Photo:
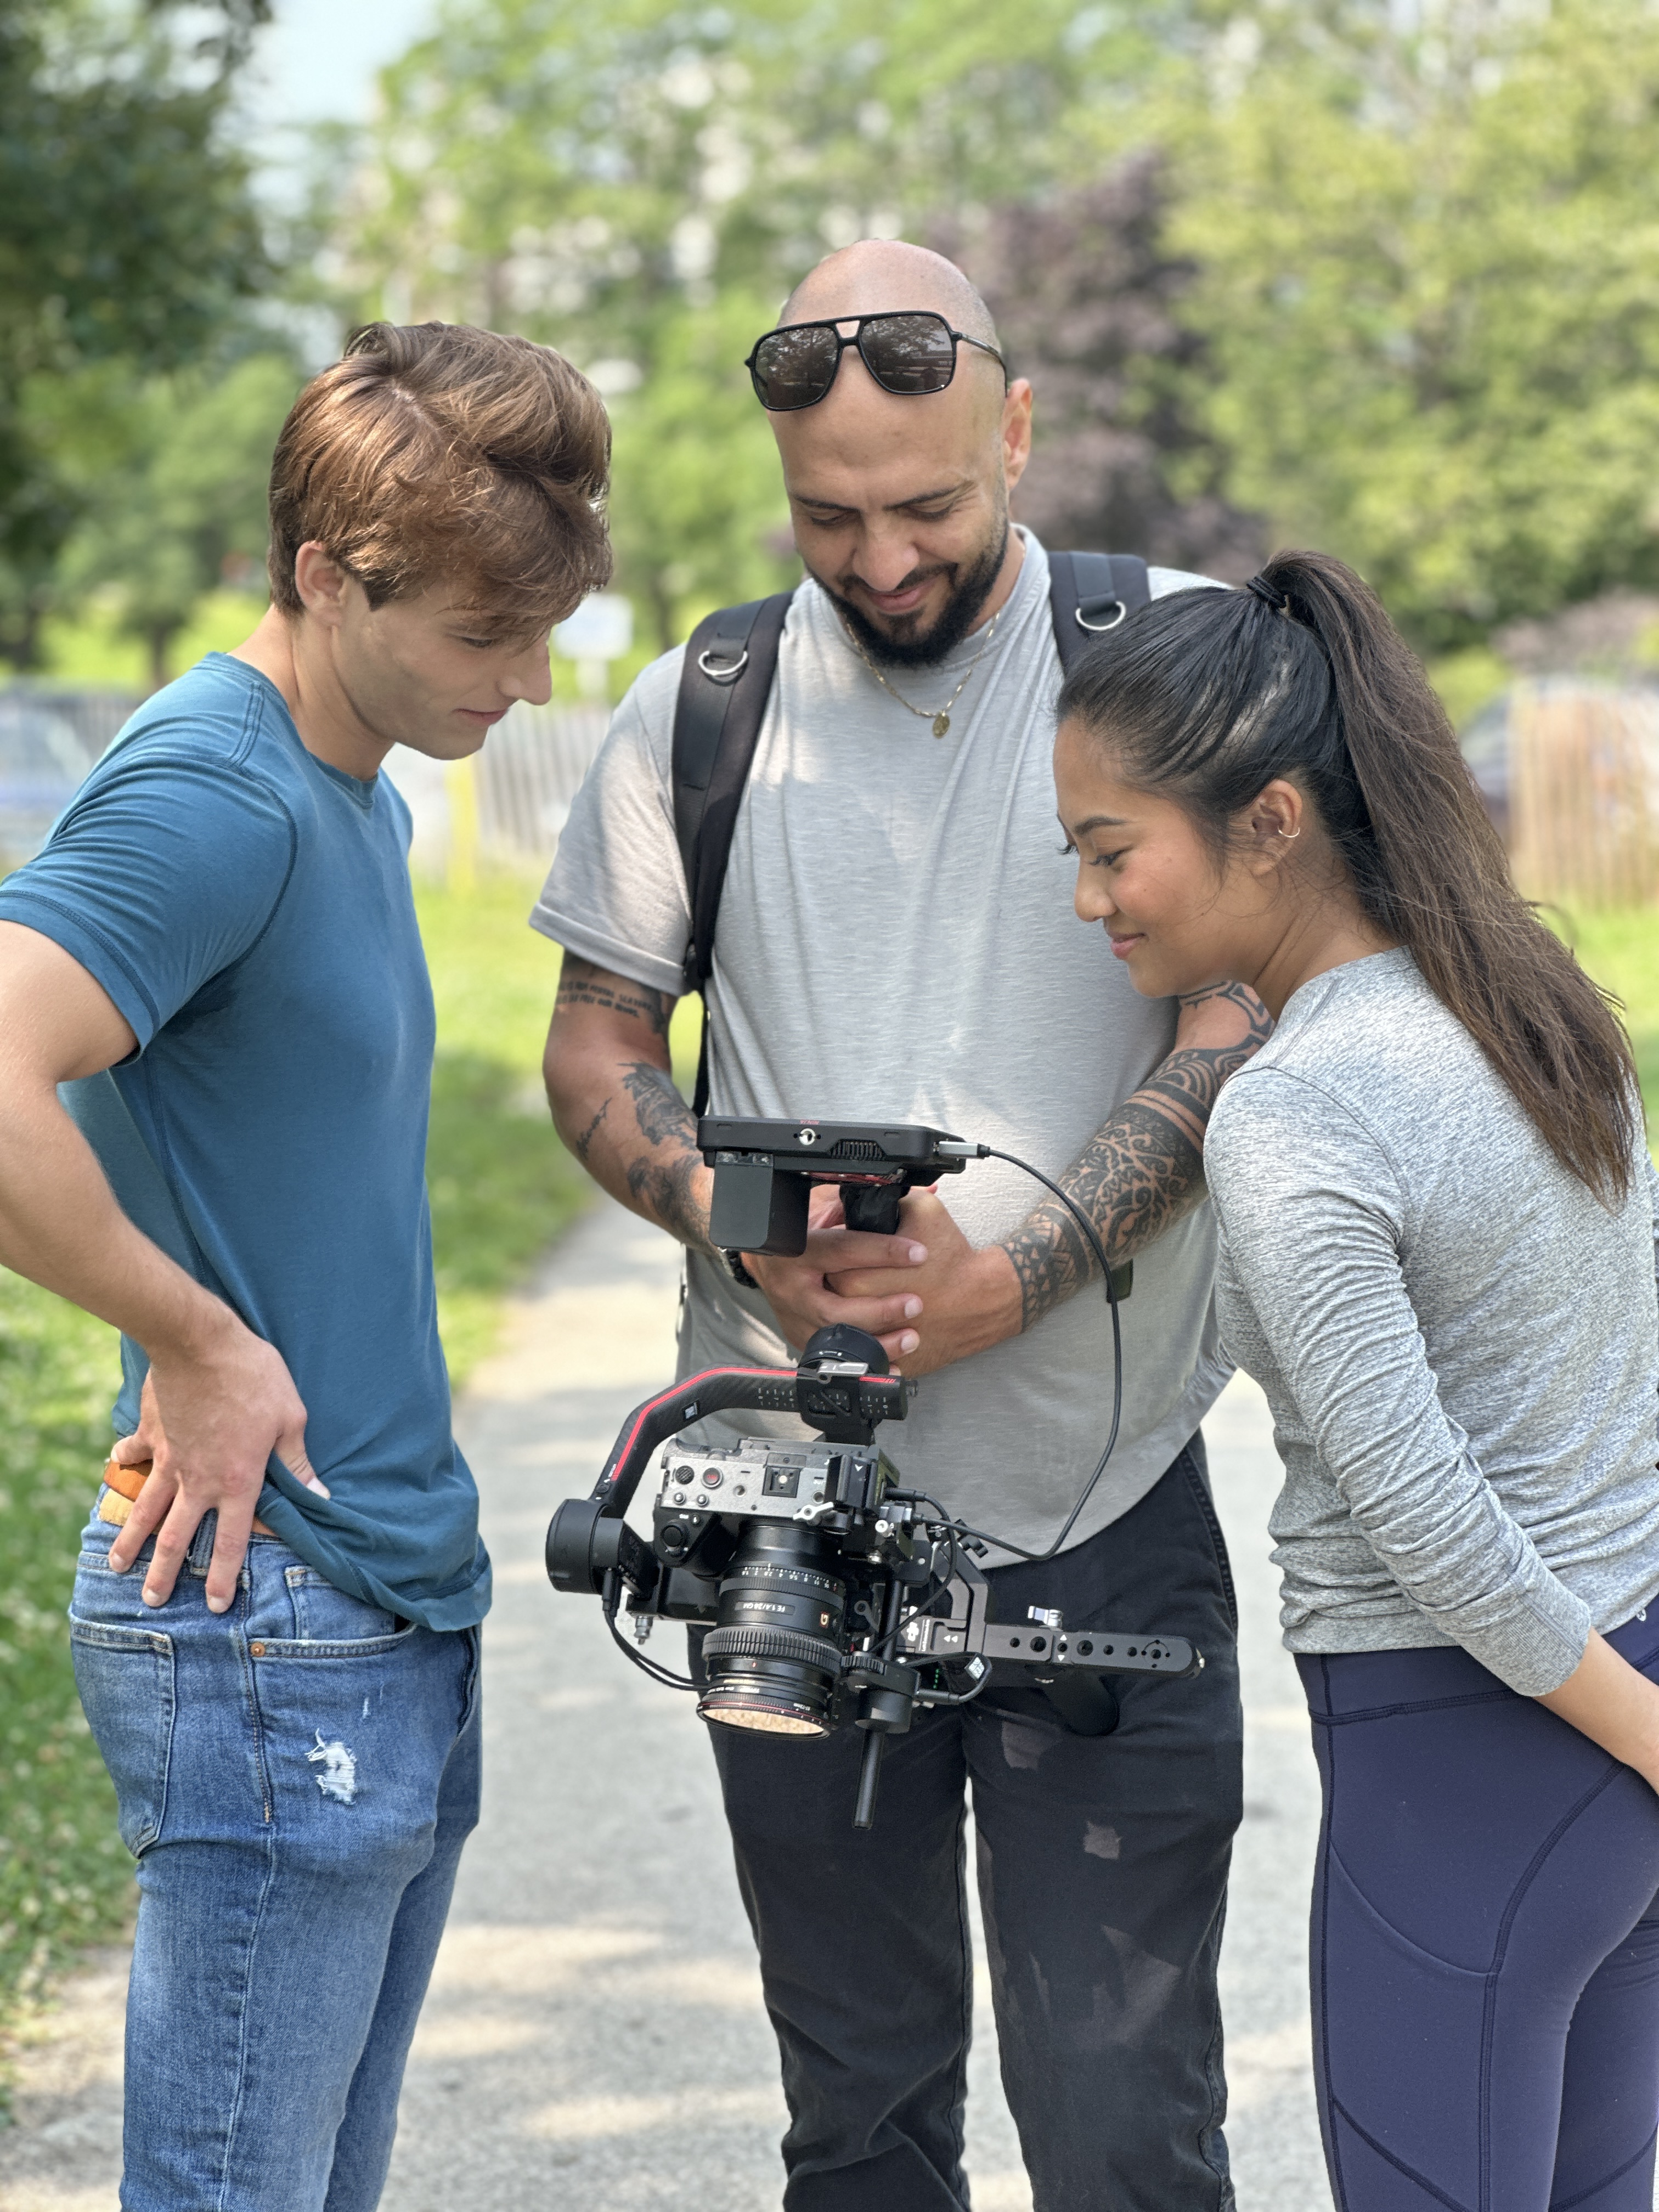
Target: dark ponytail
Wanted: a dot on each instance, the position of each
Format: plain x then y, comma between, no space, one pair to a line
1207,696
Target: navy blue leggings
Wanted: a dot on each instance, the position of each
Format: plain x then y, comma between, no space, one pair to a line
1485,1943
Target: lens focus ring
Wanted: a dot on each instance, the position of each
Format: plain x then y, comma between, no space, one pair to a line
771,1644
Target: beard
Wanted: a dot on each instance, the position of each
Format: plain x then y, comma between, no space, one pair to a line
904,646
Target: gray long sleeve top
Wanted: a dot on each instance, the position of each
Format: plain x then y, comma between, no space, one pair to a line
1458,1342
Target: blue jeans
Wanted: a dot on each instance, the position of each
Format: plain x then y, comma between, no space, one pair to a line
295,1778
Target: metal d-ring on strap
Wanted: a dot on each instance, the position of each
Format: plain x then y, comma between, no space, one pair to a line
1099,628
731,671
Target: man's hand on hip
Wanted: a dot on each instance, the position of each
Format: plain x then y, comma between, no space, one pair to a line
970,1299
209,1420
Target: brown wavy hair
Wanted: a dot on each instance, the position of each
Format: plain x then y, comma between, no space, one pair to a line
439,450
1205,696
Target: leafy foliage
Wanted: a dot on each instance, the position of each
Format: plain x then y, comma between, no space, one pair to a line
178,510
641,183
1429,298
126,232
1087,297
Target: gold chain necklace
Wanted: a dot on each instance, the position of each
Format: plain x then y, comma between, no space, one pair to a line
940,716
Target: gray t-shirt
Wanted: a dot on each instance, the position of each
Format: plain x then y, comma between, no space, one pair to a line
897,940
1460,1344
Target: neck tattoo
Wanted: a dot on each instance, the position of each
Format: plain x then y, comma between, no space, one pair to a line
940,716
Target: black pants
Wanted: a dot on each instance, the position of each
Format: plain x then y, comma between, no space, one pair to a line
1102,1869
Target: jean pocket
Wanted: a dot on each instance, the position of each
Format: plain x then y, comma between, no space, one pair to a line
323,1614
125,1678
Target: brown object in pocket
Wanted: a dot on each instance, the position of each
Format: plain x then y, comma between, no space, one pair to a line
129,1481
122,1486
126,1482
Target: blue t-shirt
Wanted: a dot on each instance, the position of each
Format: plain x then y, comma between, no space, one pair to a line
247,908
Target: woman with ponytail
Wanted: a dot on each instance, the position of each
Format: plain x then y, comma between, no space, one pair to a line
1438,1259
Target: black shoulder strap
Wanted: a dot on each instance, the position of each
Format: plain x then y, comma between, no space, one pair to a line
1090,593
724,686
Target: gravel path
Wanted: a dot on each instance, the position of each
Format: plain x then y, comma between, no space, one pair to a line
594,2036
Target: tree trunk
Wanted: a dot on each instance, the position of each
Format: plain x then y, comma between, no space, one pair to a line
662,614
158,638
20,637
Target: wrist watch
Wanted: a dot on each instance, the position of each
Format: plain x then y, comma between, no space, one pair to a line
737,1272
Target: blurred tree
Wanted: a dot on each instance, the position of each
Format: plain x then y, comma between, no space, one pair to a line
181,512
1430,300
126,233
640,184
697,510
1086,296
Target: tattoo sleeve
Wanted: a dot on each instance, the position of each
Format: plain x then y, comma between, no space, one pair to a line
583,984
660,1180
1141,1171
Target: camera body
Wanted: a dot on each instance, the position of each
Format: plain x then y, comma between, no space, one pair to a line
786,1552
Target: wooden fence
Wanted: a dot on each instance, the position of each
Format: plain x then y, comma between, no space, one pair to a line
1583,793
507,804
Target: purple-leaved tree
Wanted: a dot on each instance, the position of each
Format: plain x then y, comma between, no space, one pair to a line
1085,297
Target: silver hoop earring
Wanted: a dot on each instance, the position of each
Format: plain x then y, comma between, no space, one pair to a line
1288,834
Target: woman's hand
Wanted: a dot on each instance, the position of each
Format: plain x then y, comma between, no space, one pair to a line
1608,1700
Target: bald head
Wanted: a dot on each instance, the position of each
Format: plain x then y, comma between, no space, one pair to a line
900,500
882,275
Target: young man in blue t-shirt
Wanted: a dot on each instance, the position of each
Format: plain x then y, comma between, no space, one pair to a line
217,1051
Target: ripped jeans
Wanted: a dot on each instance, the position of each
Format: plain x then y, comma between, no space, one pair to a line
1102,1874
295,1778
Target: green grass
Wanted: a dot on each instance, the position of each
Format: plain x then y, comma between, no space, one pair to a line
1620,949
64,1878
502,1188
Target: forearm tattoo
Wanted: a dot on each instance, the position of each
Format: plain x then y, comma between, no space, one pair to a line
583,984
658,1155
661,1182
1140,1172
585,1141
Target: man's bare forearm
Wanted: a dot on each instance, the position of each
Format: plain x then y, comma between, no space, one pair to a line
60,1226
666,1178
1143,1170
614,1102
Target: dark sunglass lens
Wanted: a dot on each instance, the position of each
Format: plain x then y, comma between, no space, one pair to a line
794,367
909,354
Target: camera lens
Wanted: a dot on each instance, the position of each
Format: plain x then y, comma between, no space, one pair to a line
774,1657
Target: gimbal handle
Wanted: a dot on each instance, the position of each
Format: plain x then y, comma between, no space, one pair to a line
716,1390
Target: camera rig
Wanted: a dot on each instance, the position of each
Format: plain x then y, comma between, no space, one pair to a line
829,1590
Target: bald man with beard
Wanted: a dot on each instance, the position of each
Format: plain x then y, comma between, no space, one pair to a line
895,942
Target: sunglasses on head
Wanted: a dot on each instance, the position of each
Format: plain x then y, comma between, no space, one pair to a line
912,354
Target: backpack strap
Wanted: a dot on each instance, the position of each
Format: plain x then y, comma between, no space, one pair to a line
730,662
1090,593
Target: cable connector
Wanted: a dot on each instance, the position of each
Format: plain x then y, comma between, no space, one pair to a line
954,1148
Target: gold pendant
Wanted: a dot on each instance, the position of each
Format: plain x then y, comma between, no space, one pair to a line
941,724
